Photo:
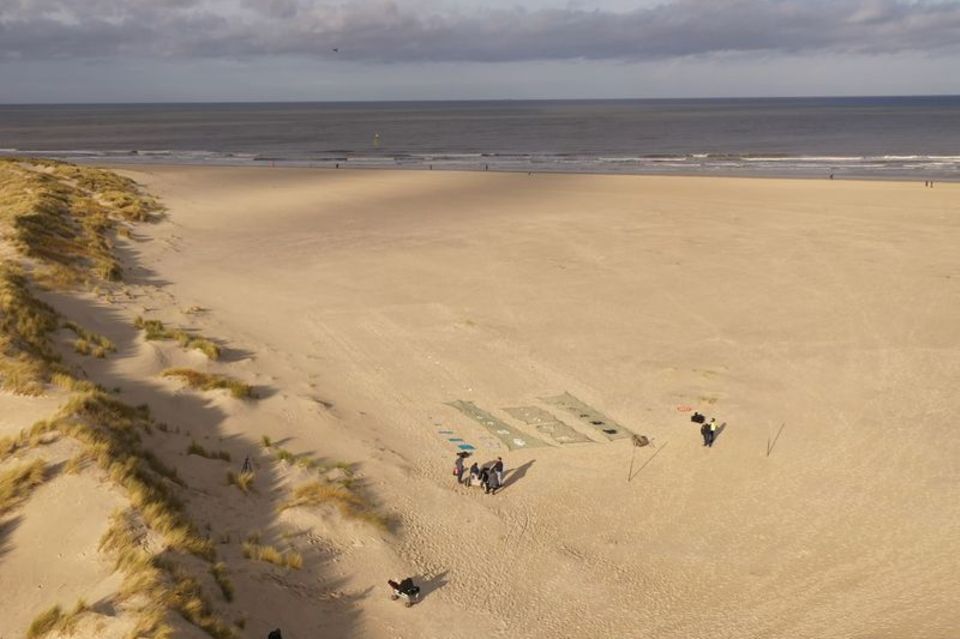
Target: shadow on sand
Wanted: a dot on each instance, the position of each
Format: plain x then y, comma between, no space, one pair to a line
221,511
516,474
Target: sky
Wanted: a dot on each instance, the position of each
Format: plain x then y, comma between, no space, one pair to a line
280,50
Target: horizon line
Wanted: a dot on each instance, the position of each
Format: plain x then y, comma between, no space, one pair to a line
474,100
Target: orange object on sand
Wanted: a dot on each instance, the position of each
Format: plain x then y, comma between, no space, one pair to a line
684,409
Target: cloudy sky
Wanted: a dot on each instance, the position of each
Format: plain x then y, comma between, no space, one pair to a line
185,50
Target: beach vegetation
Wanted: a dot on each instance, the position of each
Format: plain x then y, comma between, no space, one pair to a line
156,331
243,481
55,620
211,381
17,483
253,549
219,573
109,432
27,356
157,582
347,502
196,449
88,342
65,216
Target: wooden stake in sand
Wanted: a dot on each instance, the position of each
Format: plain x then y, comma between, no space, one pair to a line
638,441
770,444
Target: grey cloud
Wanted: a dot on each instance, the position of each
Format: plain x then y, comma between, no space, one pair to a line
388,31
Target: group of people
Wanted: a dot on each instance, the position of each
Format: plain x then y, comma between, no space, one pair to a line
490,475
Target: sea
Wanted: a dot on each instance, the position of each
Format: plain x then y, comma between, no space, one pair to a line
851,137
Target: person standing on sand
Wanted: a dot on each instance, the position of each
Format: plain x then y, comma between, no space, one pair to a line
705,433
492,484
474,473
498,470
458,469
712,431
247,466
484,477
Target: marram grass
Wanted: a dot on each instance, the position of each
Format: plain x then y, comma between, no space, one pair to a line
211,381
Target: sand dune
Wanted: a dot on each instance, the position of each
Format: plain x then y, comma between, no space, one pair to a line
816,319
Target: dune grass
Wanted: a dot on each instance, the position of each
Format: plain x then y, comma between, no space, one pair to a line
27,356
88,342
156,330
350,504
17,483
36,435
211,381
253,549
219,573
65,216
196,449
159,584
109,432
55,620
340,492
243,481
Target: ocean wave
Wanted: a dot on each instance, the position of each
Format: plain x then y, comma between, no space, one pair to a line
774,164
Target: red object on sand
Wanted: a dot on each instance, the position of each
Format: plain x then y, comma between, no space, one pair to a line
684,409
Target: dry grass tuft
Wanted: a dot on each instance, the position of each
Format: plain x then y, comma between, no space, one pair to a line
211,381
253,549
55,620
350,505
17,484
196,449
243,481
219,572
88,342
27,356
155,330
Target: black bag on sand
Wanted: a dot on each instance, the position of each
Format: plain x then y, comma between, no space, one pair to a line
275,634
698,418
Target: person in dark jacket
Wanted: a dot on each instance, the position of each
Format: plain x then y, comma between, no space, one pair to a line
458,469
492,484
705,433
498,470
483,476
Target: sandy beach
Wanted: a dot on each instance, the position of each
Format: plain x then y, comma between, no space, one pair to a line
817,320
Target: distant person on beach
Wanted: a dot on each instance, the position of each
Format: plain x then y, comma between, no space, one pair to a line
498,470
705,433
492,484
458,469
712,432
474,473
247,466
484,476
